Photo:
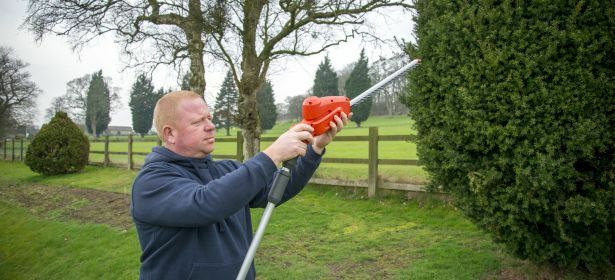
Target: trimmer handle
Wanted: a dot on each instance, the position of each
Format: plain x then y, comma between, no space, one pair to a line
280,181
318,112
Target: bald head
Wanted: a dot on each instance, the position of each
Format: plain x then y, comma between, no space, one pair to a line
166,111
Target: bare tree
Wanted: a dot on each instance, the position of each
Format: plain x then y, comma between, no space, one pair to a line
76,96
151,33
389,97
17,93
248,35
294,104
259,32
343,76
58,104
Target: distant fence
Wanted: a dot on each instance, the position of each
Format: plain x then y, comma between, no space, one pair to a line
16,147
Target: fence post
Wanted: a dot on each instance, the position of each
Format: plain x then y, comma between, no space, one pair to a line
130,163
106,161
239,146
5,146
13,149
372,181
21,149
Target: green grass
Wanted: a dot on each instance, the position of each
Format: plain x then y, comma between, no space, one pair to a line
100,178
36,248
323,233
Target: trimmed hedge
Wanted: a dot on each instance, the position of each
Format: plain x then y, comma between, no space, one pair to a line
60,147
514,104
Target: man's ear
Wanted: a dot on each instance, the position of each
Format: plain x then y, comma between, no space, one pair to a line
168,133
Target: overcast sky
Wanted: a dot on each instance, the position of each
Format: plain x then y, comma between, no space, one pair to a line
53,63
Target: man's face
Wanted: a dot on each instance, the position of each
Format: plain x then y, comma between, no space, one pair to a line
194,130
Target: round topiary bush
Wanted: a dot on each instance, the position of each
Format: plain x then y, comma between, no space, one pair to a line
60,147
514,103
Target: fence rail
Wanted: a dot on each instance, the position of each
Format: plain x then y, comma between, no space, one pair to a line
372,184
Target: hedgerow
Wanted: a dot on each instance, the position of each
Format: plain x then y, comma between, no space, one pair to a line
514,104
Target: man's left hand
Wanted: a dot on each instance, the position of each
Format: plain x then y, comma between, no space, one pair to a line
321,141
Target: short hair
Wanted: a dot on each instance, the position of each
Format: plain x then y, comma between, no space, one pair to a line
165,112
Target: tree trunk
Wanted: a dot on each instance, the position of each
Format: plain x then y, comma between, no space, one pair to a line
248,114
93,126
254,69
193,29
390,105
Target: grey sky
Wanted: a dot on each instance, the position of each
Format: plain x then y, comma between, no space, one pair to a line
53,64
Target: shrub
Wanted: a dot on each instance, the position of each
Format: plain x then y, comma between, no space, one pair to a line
514,104
59,147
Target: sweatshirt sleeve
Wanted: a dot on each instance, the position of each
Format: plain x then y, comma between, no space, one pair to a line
161,195
299,177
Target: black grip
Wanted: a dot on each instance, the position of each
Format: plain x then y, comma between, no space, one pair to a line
290,164
282,176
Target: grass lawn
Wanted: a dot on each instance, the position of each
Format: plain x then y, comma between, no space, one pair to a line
323,233
43,248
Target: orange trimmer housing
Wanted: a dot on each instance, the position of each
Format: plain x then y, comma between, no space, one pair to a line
318,112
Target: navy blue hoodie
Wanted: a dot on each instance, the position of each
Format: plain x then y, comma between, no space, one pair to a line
193,215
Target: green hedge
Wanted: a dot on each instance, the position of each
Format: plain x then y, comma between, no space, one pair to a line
515,107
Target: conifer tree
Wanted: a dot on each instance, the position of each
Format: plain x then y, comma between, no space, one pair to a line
267,113
225,110
358,82
325,81
98,105
143,99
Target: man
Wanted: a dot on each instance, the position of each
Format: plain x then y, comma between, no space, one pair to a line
193,214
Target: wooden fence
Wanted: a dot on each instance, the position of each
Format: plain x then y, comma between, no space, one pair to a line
372,184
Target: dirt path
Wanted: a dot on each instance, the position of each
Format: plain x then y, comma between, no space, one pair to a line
85,205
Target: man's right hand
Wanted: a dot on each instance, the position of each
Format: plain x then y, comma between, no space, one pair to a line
291,144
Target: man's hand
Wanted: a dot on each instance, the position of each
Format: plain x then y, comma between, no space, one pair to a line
291,144
321,141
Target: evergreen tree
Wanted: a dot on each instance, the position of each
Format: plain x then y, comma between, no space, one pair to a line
358,82
98,104
60,147
267,113
325,81
514,107
226,104
143,99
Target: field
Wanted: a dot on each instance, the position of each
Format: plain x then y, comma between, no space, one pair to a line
62,227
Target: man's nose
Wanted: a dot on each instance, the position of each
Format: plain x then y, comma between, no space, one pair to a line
209,125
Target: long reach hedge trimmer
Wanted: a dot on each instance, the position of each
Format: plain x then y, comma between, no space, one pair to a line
317,112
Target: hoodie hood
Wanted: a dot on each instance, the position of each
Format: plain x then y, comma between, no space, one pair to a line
204,167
